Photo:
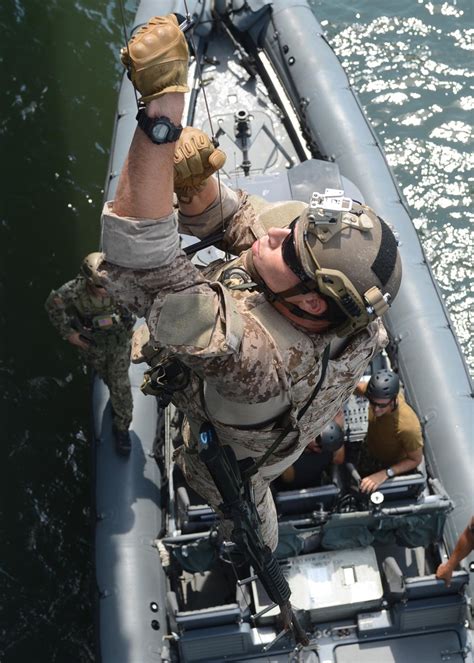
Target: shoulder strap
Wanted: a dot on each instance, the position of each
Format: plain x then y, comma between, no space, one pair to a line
255,466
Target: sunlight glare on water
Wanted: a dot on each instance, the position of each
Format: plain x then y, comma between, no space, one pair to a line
412,75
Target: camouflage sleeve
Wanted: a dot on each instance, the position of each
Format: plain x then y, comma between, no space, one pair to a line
235,212
57,306
378,333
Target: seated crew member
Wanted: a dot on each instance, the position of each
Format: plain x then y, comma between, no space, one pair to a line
394,443
308,471
464,545
254,355
87,317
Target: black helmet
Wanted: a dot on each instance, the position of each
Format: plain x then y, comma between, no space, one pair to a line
383,384
331,437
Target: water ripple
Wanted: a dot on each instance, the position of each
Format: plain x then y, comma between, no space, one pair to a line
411,73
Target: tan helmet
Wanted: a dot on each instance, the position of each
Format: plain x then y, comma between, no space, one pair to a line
90,266
351,256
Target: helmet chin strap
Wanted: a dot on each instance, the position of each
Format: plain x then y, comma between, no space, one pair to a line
294,309
331,315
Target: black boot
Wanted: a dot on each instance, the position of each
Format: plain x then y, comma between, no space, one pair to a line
123,443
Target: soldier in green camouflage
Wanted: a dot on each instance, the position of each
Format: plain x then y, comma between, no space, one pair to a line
87,317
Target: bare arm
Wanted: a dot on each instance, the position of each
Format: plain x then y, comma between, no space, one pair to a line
373,481
412,461
339,456
462,549
145,187
361,388
201,200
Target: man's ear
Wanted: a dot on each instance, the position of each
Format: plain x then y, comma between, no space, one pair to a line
315,304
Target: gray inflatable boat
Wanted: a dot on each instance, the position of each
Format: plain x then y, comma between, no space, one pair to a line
361,574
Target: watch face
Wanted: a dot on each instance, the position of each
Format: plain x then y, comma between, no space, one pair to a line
160,132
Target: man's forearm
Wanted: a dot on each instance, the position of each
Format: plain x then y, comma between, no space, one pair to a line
405,466
145,188
462,549
201,199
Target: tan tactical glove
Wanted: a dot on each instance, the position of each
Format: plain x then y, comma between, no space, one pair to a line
157,58
195,159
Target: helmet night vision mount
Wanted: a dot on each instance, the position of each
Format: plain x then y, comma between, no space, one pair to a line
351,256
328,207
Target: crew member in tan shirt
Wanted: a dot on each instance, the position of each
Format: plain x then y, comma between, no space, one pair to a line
394,442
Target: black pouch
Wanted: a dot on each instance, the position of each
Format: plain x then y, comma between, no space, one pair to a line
164,379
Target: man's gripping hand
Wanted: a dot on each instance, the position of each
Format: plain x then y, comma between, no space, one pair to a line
157,58
195,159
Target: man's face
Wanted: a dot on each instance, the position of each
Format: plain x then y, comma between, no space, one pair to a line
269,263
381,406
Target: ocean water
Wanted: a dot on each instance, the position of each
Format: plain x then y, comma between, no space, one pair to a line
409,62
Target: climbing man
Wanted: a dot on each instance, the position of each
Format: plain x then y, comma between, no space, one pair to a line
258,361
86,316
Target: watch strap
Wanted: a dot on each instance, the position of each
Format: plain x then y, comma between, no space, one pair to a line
147,123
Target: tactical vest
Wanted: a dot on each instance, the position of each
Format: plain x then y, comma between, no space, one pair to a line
284,336
97,315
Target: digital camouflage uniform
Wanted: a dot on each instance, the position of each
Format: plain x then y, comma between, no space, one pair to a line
235,343
72,308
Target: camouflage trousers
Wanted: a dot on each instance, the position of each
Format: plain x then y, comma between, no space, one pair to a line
110,358
198,477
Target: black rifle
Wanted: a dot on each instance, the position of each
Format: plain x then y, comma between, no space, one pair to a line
85,334
239,506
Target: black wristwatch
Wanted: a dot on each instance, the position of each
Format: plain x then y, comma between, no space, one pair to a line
158,129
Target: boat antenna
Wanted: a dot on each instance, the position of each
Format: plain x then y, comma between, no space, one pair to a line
185,26
125,36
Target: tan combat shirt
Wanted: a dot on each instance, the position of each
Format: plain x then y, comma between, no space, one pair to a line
391,437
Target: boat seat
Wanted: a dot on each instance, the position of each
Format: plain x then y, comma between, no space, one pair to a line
424,601
403,487
420,587
219,643
192,518
213,633
219,615
306,500
199,518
